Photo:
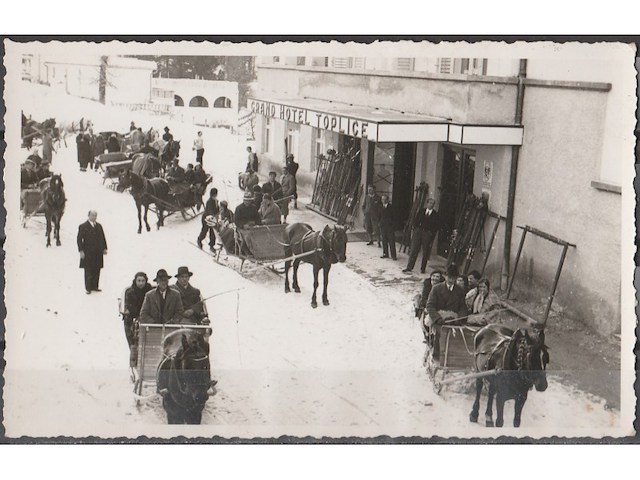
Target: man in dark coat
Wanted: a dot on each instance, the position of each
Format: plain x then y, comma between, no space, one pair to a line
92,245
371,209
292,166
246,214
28,174
211,212
167,136
272,187
191,298
84,151
425,228
445,302
113,145
388,228
162,304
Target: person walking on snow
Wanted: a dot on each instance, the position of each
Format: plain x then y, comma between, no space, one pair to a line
198,146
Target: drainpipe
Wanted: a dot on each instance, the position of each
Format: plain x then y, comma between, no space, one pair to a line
515,156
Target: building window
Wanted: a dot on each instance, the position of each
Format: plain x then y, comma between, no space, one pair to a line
178,101
222,102
276,59
199,101
405,64
445,65
301,61
267,134
342,62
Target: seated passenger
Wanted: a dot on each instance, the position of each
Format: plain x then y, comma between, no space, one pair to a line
191,298
257,196
225,215
247,214
269,211
446,302
133,298
472,279
28,174
161,304
188,174
461,281
482,303
420,300
175,173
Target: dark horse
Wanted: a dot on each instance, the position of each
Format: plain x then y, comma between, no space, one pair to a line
53,202
320,249
145,192
184,376
146,165
520,361
170,151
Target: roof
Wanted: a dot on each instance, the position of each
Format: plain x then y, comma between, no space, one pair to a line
114,61
382,125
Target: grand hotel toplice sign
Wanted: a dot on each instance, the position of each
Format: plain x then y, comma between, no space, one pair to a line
353,127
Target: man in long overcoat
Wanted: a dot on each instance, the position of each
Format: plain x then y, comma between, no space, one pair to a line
191,297
162,304
92,245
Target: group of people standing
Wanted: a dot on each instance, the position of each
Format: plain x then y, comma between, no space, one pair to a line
380,221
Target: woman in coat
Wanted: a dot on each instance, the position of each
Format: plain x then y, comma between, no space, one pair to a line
133,298
481,302
269,211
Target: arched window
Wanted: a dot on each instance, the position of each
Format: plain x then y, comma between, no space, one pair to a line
177,101
222,102
198,101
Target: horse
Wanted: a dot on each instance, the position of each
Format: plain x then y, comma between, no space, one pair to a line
145,192
170,151
146,165
519,360
53,201
183,377
320,249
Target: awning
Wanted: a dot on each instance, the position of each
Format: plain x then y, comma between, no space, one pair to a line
381,125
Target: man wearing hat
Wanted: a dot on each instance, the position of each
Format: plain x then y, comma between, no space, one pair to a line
445,302
246,214
162,304
28,174
190,296
292,166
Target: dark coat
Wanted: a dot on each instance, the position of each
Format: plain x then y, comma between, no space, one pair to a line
245,214
28,177
387,218
372,205
113,145
292,166
152,311
99,146
212,208
428,223
274,189
84,150
191,299
92,242
441,298
133,298
252,162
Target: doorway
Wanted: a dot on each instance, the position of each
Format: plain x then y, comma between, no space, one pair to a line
458,172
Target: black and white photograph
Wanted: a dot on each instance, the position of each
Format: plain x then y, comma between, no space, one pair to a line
319,239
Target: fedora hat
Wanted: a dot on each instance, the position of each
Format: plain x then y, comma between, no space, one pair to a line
162,274
183,270
452,270
247,196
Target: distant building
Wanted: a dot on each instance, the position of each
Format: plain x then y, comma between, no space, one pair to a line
201,102
126,81
453,123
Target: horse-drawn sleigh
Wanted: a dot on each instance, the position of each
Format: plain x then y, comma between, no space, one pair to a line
173,360
270,245
509,361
